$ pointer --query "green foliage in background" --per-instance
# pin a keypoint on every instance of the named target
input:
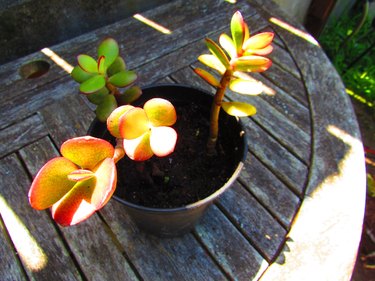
(354, 64)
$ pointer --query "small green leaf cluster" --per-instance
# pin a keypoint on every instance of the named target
(100, 79)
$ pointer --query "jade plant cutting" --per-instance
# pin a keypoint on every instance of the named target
(83, 179)
(234, 56)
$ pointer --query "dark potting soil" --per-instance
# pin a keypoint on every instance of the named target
(188, 174)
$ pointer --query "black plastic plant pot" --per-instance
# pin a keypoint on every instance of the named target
(176, 221)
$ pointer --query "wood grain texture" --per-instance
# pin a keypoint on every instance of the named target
(157, 258)
(10, 268)
(39, 246)
(230, 249)
(16, 136)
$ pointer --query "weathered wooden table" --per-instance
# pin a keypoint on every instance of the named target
(294, 214)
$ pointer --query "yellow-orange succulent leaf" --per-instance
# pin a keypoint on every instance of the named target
(160, 112)
(51, 183)
(87, 151)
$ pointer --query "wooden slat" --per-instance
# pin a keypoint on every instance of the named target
(279, 160)
(38, 245)
(265, 233)
(270, 191)
(89, 242)
(156, 258)
(287, 82)
(230, 249)
(67, 118)
(10, 269)
(18, 135)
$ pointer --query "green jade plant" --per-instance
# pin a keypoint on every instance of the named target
(82, 180)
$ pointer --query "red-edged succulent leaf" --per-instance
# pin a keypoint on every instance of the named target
(237, 27)
(123, 78)
(259, 41)
(81, 175)
(75, 206)
(252, 64)
(239, 109)
(79, 75)
(130, 95)
(99, 96)
(217, 52)
(160, 112)
(105, 107)
(109, 49)
(51, 183)
(138, 149)
(208, 77)
(92, 84)
(259, 52)
(163, 140)
(117, 66)
(213, 62)
(113, 120)
(246, 87)
(106, 179)
(227, 43)
(134, 123)
(87, 151)
(87, 63)
(101, 65)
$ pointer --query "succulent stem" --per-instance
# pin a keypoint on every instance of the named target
(215, 110)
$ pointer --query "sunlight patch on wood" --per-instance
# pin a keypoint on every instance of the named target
(58, 60)
(298, 32)
(152, 24)
(31, 254)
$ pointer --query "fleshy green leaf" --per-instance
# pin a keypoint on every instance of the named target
(208, 77)
(238, 31)
(139, 149)
(213, 62)
(87, 63)
(51, 183)
(217, 52)
(117, 66)
(109, 49)
(101, 65)
(105, 108)
(98, 96)
(130, 95)
(134, 123)
(246, 87)
(79, 75)
(113, 120)
(123, 78)
(239, 109)
(160, 112)
(87, 151)
(227, 43)
(92, 85)
(163, 140)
